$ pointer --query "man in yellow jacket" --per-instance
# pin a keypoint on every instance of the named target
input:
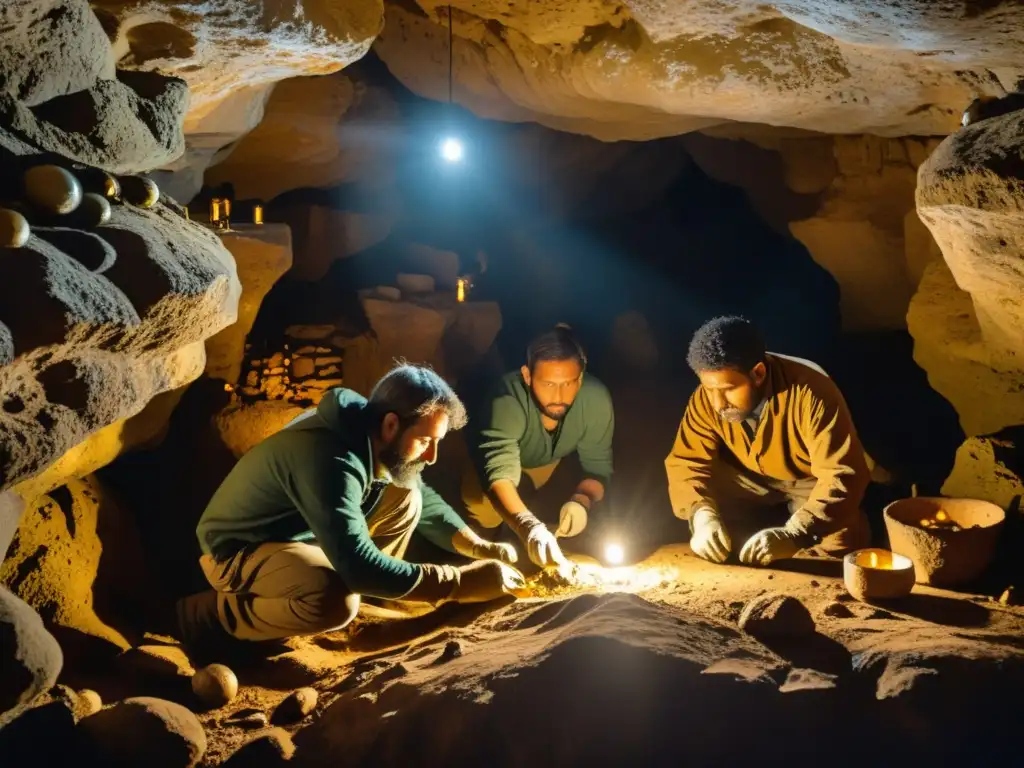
(766, 461)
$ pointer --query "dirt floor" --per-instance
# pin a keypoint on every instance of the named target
(645, 665)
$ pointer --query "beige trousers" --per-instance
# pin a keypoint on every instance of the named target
(283, 589)
(479, 505)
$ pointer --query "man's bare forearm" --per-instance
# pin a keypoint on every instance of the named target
(588, 492)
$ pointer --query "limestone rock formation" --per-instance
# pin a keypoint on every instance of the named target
(641, 69)
(316, 132)
(859, 232)
(243, 45)
(86, 349)
(262, 254)
(97, 321)
(50, 48)
(65, 562)
(123, 126)
(31, 657)
(988, 467)
(232, 58)
(968, 314)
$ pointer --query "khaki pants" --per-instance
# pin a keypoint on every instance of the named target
(749, 503)
(479, 505)
(283, 589)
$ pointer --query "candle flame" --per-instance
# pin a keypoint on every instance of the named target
(873, 560)
(460, 290)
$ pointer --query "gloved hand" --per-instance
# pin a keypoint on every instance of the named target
(572, 519)
(541, 544)
(468, 543)
(710, 540)
(486, 580)
(769, 545)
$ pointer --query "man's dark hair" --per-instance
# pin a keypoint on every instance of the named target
(560, 343)
(726, 342)
(414, 391)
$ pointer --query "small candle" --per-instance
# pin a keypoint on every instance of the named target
(461, 288)
(215, 210)
(227, 207)
(257, 214)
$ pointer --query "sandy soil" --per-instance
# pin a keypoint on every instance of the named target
(646, 665)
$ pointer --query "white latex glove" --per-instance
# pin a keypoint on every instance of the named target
(467, 543)
(572, 519)
(541, 545)
(769, 545)
(486, 580)
(710, 540)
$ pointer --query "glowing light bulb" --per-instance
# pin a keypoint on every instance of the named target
(614, 554)
(451, 150)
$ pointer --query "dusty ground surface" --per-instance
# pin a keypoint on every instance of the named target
(643, 663)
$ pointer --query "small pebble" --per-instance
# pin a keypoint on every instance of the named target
(89, 702)
(815, 583)
(837, 611)
(252, 722)
(140, 191)
(215, 685)
(295, 706)
(452, 650)
(14, 229)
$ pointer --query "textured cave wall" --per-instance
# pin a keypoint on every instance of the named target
(231, 57)
(970, 314)
(967, 316)
(646, 68)
(102, 320)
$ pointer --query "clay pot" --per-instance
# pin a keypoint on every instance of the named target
(943, 557)
(877, 574)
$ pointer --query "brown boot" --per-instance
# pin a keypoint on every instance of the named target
(202, 635)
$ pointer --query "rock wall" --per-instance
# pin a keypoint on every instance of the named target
(641, 69)
(966, 318)
(107, 295)
(262, 254)
(848, 199)
(231, 58)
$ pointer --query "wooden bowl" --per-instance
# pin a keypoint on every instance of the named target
(877, 574)
(945, 557)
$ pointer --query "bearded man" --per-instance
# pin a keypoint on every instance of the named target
(766, 461)
(321, 513)
(535, 417)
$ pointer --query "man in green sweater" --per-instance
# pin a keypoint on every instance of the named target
(535, 417)
(322, 512)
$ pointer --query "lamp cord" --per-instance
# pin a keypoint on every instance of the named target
(450, 53)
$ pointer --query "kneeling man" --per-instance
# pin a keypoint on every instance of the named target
(322, 512)
(766, 461)
(548, 409)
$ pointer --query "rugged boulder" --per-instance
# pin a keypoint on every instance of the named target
(967, 316)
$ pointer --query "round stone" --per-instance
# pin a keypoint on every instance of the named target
(144, 731)
(14, 229)
(53, 188)
(89, 702)
(94, 211)
(295, 707)
(140, 191)
(215, 685)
